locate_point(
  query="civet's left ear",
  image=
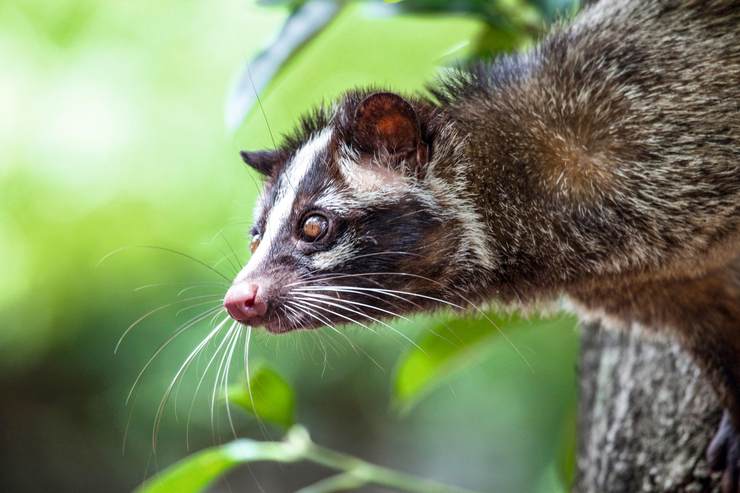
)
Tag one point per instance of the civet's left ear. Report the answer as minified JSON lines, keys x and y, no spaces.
{"x":385,"y":122}
{"x":263,"y":162}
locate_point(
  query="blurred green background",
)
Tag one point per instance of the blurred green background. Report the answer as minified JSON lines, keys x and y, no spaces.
{"x":113,"y":135}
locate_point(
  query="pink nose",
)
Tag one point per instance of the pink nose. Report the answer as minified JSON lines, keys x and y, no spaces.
{"x":245,"y":301}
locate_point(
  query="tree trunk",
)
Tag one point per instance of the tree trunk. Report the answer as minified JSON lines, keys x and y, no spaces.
{"x":646,"y":416}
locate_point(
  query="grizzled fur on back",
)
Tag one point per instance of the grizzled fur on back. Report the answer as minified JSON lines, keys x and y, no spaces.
{"x":603,"y":139}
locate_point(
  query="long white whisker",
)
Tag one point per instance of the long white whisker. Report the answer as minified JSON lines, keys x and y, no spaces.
{"x":229,"y":337}
{"x":348,"y":289}
{"x":209,"y":302}
{"x":183,"y":328}
{"x":179,"y":284}
{"x":178,"y":374}
{"x":353,"y":290}
{"x":247,"y":341}
{"x":297,"y":305}
{"x":227,"y":258}
{"x":233,"y":252}
{"x":386,"y":291}
{"x":344,"y":307}
{"x":357,"y":290}
{"x":356,"y":303}
{"x":432,"y":298}
{"x":152,"y":312}
{"x":192,"y":288}
{"x":202,"y":379}
{"x":305,"y":308}
{"x":307,"y":301}
{"x":225,"y":378}
{"x":292,"y":316}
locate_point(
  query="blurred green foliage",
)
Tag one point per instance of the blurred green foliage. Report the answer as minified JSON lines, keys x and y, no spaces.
{"x":267,"y":396}
{"x":454,"y":343}
{"x":113,"y":137}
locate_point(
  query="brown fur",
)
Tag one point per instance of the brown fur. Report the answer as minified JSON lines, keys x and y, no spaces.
{"x":604,"y":165}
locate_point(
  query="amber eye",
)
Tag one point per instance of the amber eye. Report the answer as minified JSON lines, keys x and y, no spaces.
{"x":314,"y":227}
{"x":255,"y":243}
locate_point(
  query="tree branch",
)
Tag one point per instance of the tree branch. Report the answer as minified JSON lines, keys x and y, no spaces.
{"x":646,"y":416}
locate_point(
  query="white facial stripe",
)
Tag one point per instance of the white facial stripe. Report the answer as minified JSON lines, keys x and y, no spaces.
{"x":287,"y":188}
{"x":343,"y":252}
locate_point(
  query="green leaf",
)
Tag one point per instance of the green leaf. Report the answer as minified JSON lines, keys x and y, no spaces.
{"x":340,"y":482}
{"x":307,"y":19}
{"x":449,"y":346}
{"x":355,"y":49}
{"x":566,"y":456}
{"x":196,"y":472}
{"x":268,"y":396}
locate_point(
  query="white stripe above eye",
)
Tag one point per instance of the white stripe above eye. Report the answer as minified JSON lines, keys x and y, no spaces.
{"x":287,"y":188}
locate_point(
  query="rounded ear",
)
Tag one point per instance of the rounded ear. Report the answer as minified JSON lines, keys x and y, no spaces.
{"x":386,"y":121}
{"x":263,"y":162}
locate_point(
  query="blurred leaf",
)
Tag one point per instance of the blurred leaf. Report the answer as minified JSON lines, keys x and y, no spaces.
{"x":267,"y":396}
{"x":450,"y":346}
{"x":493,"y":41}
{"x":566,"y":456}
{"x":340,"y":482}
{"x":519,"y":13}
{"x":304,"y":22}
{"x":196,"y":472}
{"x":512,"y":23}
{"x":364,"y":46}
{"x":554,"y":9}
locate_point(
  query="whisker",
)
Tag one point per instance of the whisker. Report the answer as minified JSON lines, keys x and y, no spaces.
{"x":306,"y":309}
{"x":357,"y":290}
{"x":193,"y":321}
{"x":178,"y":374}
{"x":229,"y":337}
{"x":388,"y":252}
{"x":343,"y":307}
{"x":177,"y":284}
{"x":225,"y":378}
{"x":297,"y":305}
{"x":192,"y":288}
{"x":247,"y":340}
{"x":349,"y":289}
{"x":190,"y":257}
{"x":291,"y":315}
{"x":307,"y":301}
{"x":201,"y":380}
{"x":356,"y":303}
{"x":233,"y":251}
{"x":216,"y":300}
{"x":226,"y":257}
{"x":473,"y":305}
{"x":168,"y":250}
{"x":152,"y":312}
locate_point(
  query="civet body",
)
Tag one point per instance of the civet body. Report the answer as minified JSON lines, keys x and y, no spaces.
{"x":603,"y":165}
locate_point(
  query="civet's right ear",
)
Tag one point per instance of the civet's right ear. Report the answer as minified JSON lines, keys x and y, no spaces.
{"x":263,"y":162}
{"x":386,"y":122}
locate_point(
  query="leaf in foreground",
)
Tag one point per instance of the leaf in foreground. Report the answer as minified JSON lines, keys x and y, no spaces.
{"x":196,"y":472}
{"x":268,"y":396}
{"x":451,"y":345}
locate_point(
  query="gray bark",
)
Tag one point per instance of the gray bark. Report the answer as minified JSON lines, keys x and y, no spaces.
{"x":646,"y":416}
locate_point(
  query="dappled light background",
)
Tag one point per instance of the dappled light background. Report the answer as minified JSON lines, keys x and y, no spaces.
{"x":114,"y":140}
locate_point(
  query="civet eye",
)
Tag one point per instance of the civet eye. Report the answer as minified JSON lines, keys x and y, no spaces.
{"x":255,"y":243}
{"x":314,"y":227}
